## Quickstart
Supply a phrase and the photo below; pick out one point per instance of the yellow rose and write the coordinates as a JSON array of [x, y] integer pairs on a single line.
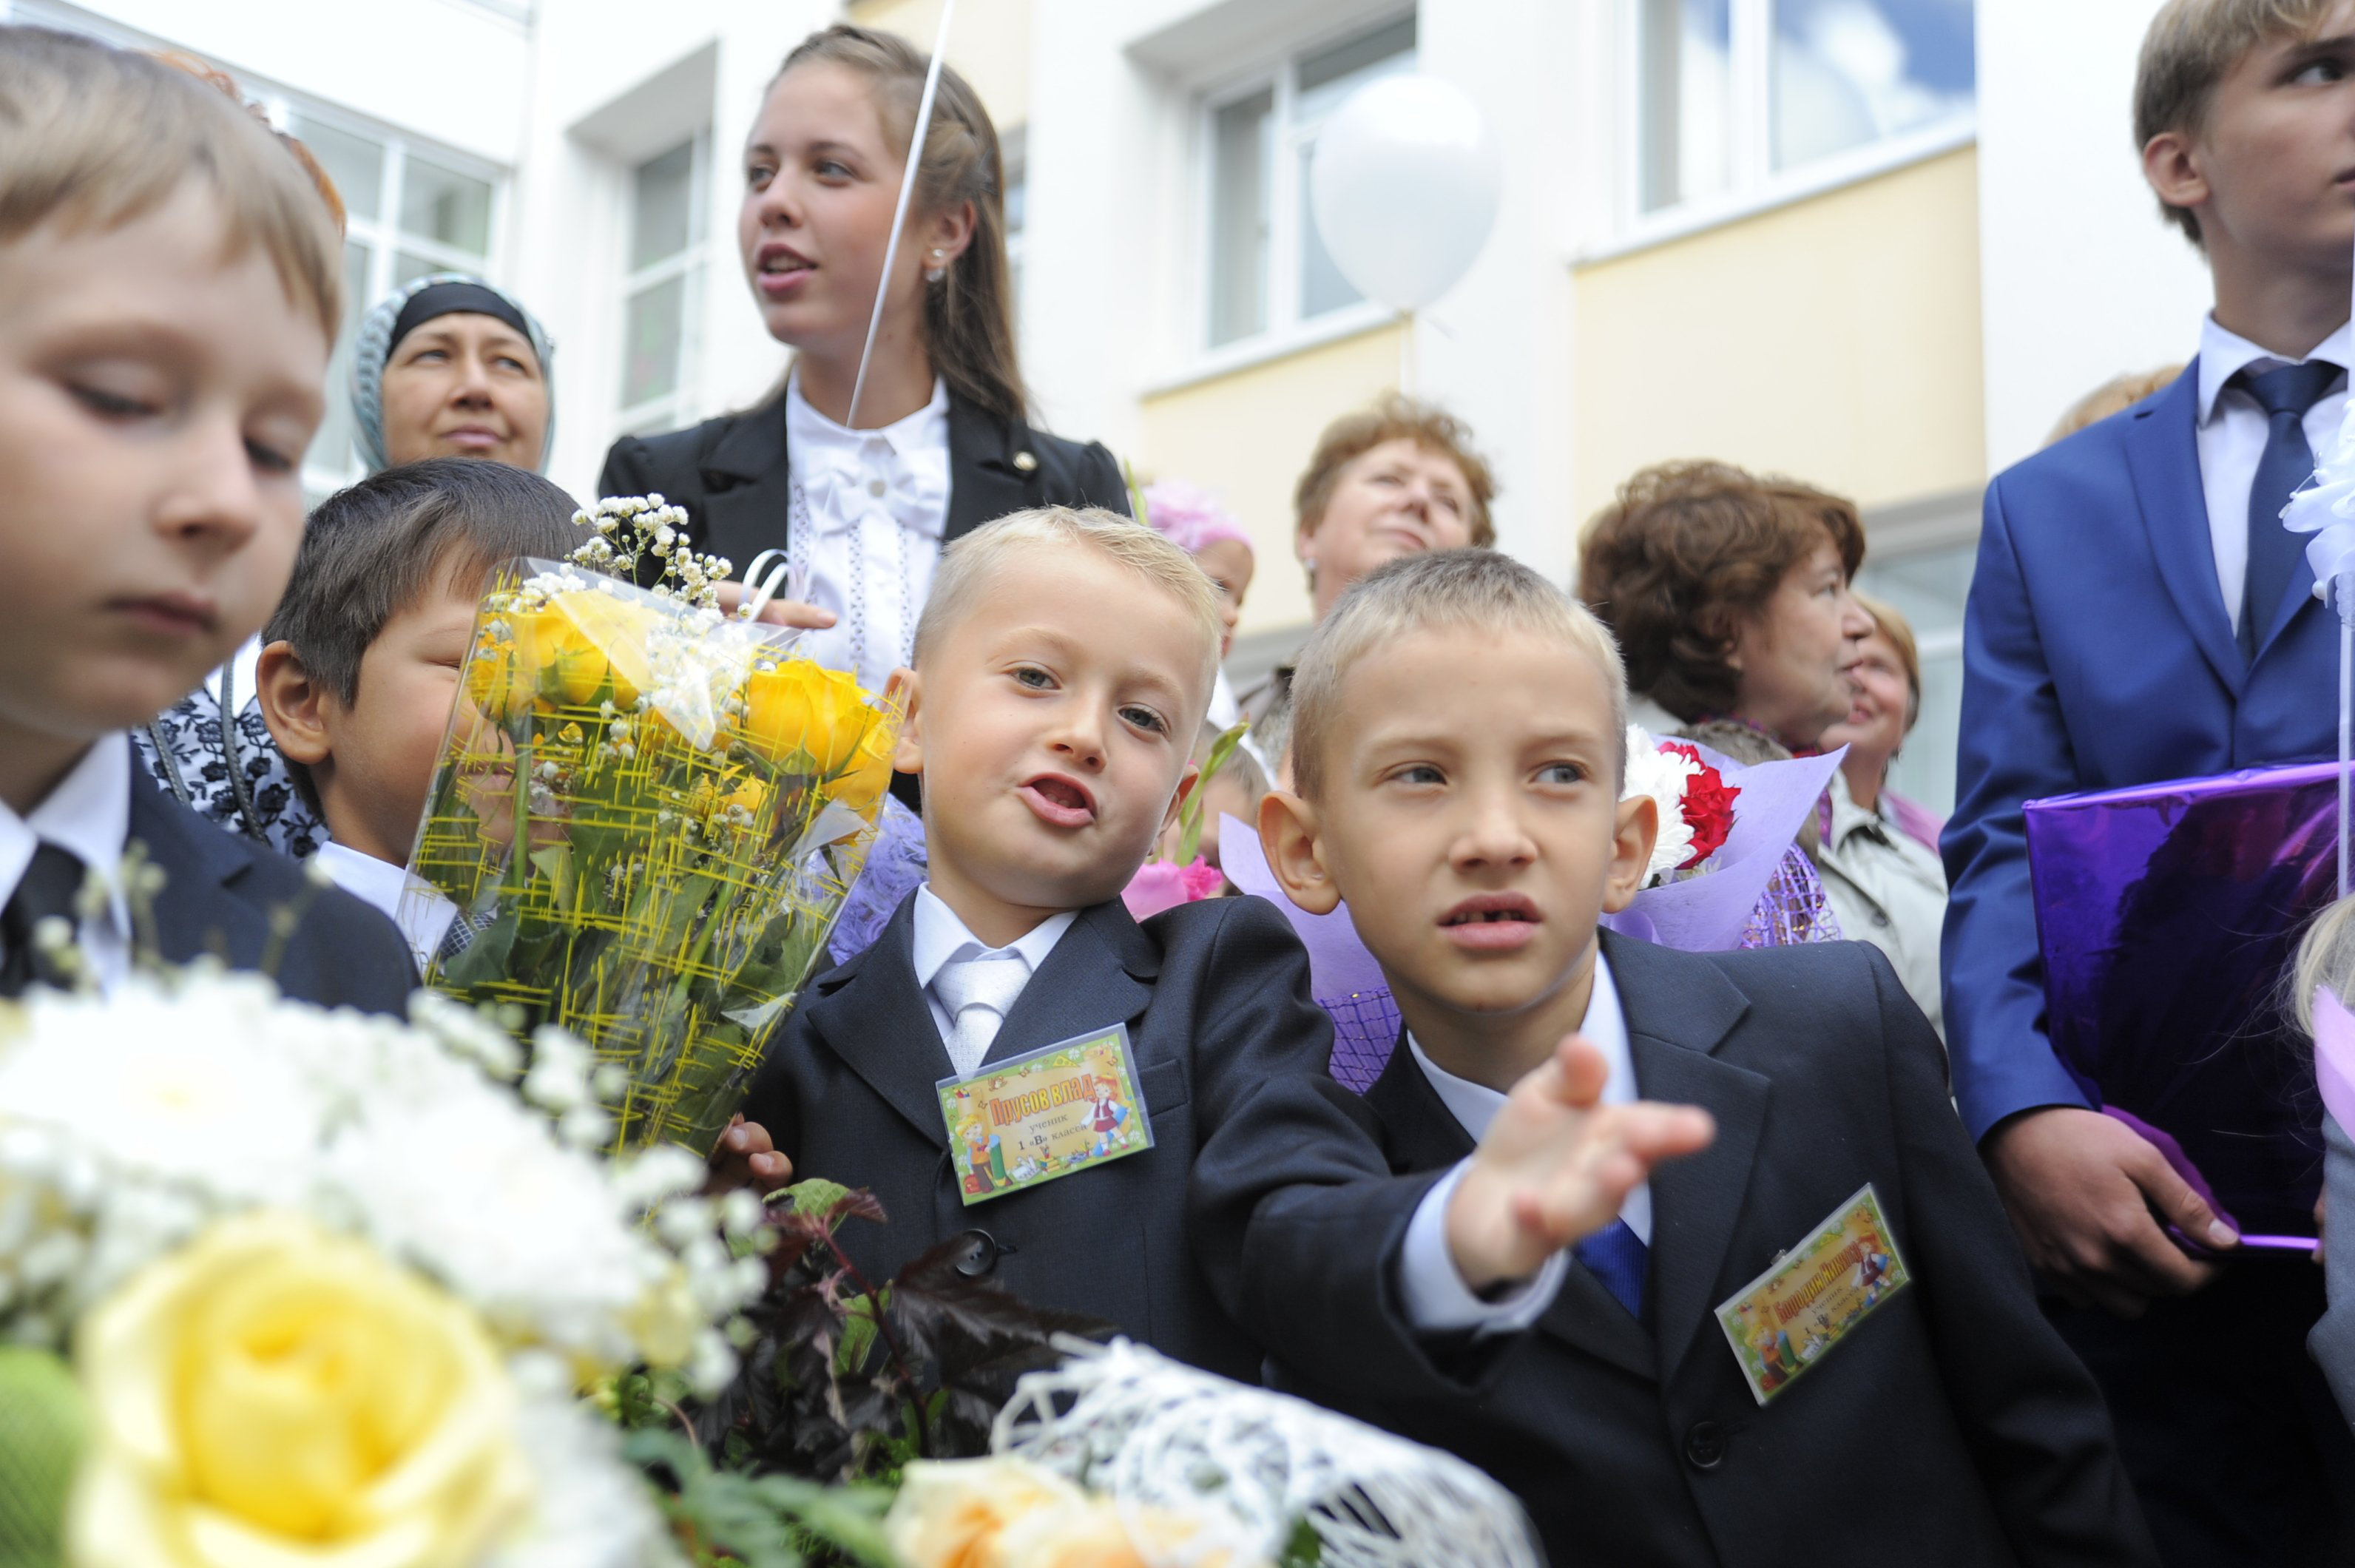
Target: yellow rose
[[271, 1394], [800, 707], [490, 678], [953, 1514], [862, 785], [556, 657]]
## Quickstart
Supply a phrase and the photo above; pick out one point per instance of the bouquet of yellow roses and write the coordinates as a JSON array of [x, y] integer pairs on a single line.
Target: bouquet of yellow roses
[[645, 818]]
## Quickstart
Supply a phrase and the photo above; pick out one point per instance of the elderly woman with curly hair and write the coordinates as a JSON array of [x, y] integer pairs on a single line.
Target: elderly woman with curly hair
[[1730, 597]]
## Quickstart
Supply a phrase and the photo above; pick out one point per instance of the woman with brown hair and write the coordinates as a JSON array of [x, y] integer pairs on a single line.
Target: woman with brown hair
[[1730, 596], [862, 499]]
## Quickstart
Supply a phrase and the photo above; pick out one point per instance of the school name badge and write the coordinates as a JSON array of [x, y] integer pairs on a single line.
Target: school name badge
[[1788, 1318], [1053, 1112]]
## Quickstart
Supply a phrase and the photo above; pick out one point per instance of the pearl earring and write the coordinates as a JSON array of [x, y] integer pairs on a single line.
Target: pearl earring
[[935, 272]]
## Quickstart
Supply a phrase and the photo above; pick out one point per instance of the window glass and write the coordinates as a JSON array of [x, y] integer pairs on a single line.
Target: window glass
[[442, 204], [1848, 72], [655, 325], [662, 209], [1241, 173], [1326, 78], [355, 162], [1683, 47]]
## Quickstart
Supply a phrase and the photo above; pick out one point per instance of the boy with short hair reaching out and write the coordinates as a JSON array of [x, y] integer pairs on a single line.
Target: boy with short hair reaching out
[[1063, 664], [1712, 1356]]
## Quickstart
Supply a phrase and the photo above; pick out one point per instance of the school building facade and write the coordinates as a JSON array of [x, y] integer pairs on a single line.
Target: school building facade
[[1876, 244]]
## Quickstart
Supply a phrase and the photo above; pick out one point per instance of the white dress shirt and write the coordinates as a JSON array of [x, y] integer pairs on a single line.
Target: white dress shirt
[[869, 510], [88, 813], [941, 939], [1434, 1292], [1888, 889], [419, 909], [2232, 440]]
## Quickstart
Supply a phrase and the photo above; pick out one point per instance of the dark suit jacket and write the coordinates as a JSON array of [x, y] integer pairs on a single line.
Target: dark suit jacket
[[220, 891], [1950, 1427], [730, 474], [2097, 653], [1215, 995]]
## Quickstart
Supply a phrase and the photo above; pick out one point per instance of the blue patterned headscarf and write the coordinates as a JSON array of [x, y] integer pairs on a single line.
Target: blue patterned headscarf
[[373, 347]]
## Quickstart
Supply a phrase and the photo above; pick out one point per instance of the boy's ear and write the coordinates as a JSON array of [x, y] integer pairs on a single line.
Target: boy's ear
[[2170, 165], [1287, 834], [905, 684], [293, 705], [1633, 836]]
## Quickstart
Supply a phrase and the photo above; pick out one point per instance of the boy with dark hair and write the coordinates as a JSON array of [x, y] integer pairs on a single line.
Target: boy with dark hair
[[359, 670], [153, 420], [2139, 613], [1821, 1309]]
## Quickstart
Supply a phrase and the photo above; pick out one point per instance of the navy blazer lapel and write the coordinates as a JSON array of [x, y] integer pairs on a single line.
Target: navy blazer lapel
[[1679, 1011], [2163, 461], [870, 1013], [1420, 1133], [747, 488], [988, 475], [197, 860], [1094, 978]]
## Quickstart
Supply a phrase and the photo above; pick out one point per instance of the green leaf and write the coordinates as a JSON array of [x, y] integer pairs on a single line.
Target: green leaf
[[485, 959], [1135, 493], [1190, 831], [554, 863], [817, 1197], [859, 1326], [43, 1430], [1304, 1549]]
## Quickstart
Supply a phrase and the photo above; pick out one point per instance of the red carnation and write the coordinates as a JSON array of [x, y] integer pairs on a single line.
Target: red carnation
[[1707, 805]]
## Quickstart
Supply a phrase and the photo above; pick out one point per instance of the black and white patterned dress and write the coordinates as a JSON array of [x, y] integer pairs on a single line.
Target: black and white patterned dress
[[244, 785]]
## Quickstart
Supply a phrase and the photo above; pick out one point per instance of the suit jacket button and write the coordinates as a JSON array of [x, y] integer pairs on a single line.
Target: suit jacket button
[[1024, 463], [1705, 1446], [981, 1250]]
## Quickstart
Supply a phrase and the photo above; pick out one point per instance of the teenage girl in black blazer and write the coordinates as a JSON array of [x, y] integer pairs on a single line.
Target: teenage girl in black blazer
[[822, 170]]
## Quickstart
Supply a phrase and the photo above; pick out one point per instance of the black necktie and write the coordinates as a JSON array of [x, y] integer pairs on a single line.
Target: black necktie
[[51, 885], [2275, 552]]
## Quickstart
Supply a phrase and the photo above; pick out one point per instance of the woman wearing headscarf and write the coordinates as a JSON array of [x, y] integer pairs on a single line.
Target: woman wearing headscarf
[[446, 366]]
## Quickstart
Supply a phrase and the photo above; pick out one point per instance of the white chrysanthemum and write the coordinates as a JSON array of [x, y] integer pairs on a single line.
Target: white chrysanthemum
[[128, 1124], [591, 1509], [1662, 775]]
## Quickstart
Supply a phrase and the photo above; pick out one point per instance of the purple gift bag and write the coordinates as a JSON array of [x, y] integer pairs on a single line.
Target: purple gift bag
[[2166, 914]]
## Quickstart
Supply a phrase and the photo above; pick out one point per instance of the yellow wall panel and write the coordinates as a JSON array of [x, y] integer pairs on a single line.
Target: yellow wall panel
[[1248, 435], [989, 46], [1835, 340]]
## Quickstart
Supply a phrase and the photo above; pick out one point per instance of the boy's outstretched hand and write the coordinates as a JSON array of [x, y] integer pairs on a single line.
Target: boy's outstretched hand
[[745, 1157], [1555, 1166]]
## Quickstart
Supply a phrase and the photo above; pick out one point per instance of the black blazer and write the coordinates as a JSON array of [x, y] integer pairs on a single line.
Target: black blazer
[[220, 890], [730, 474], [1215, 995], [1952, 1426]]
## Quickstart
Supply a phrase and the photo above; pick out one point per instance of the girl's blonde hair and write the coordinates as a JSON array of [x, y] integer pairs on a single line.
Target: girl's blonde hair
[[2326, 956], [969, 313], [93, 137]]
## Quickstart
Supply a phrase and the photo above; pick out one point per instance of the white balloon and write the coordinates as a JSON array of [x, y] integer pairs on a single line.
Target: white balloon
[[1404, 186]]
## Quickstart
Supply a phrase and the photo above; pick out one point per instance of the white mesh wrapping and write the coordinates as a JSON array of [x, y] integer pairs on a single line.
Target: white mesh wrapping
[[1151, 1433]]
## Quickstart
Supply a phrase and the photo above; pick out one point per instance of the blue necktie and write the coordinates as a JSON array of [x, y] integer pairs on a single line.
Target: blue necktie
[[2275, 552], [1616, 1256]]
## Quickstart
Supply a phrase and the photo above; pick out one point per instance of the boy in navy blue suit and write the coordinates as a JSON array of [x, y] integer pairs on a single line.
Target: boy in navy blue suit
[[2138, 615], [170, 282], [1458, 735], [1064, 664]]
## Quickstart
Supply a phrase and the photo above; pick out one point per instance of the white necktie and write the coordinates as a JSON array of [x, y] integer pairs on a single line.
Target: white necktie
[[978, 992]]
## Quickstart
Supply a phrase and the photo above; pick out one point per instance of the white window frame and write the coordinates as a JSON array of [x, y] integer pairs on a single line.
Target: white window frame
[[1286, 331], [382, 234], [679, 407], [1753, 185]]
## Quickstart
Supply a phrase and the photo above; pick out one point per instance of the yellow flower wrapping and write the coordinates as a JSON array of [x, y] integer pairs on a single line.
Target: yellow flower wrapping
[[661, 899]]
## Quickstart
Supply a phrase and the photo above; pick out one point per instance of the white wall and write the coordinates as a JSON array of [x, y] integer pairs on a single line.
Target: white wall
[[2080, 278]]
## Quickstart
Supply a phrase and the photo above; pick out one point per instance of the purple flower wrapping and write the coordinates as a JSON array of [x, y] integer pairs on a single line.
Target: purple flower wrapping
[[2166, 914]]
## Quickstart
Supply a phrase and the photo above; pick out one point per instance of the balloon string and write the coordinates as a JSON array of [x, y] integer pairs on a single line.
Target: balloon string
[[900, 211]]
